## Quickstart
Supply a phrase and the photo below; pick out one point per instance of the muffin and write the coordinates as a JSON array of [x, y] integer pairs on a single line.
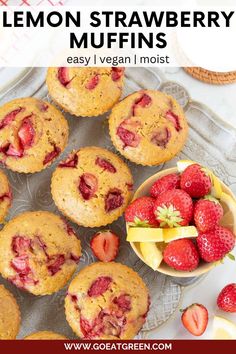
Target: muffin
[[92, 186], [5, 196], [32, 134], [148, 127], [40, 251], [85, 92], [45, 335], [107, 301], [9, 315]]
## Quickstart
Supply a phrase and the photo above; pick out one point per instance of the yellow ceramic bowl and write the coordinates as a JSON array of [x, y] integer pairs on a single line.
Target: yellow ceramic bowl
[[229, 220]]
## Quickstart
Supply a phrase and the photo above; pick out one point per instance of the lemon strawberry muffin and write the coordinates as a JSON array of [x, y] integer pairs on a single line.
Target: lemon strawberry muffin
[[32, 134], [148, 127], [92, 186], [9, 315], [107, 301], [5, 196], [45, 335], [40, 251], [85, 91]]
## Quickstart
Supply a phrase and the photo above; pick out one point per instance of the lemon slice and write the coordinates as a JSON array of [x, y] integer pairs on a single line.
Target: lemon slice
[[179, 232], [223, 329], [151, 254], [183, 164], [145, 234]]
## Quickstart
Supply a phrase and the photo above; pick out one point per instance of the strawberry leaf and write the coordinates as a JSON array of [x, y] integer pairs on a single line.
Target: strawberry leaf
[[231, 256]]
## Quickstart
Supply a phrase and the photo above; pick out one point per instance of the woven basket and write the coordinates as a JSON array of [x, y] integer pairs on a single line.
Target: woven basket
[[211, 77]]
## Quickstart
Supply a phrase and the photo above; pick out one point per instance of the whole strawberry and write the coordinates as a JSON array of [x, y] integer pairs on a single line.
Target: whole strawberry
[[226, 300], [181, 254], [173, 208], [140, 212], [195, 181], [207, 213], [195, 319], [164, 184], [214, 245]]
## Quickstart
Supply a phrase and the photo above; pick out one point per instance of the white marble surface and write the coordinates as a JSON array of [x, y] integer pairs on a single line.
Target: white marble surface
[[220, 98]]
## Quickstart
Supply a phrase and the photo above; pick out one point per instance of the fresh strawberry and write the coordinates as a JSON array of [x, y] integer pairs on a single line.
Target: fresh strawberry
[[105, 245], [174, 119], [93, 82], [26, 133], [214, 245], [140, 212], [99, 286], [226, 300], [165, 183], [63, 76], [195, 319], [173, 208], [161, 137], [207, 213], [195, 181], [182, 255], [113, 199]]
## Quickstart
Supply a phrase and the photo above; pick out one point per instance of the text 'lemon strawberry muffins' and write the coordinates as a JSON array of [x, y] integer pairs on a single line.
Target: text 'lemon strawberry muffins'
[[5, 196], [45, 335], [32, 134], [148, 127], [85, 92], [92, 186], [9, 315], [40, 250], [107, 301]]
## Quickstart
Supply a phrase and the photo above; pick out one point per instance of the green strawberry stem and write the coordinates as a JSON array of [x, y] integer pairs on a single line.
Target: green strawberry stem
[[168, 216]]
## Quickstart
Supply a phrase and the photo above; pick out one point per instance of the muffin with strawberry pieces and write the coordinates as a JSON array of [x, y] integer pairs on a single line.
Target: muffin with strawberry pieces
[[45, 335], [5, 196], [107, 301], [148, 127], [40, 250], [10, 316], [32, 134], [85, 92], [92, 186]]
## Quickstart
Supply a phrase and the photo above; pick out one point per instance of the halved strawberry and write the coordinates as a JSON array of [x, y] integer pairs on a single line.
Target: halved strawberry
[[161, 137], [99, 286], [88, 185], [93, 82], [26, 133], [173, 118], [105, 245], [195, 319], [63, 76], [10, 117], [140, 212]]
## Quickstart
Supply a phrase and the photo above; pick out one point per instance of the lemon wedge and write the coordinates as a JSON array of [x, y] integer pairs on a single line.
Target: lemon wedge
[[223, 329], [179, 232], [151, 254], [216, 190], [145, 234], [183, 164]]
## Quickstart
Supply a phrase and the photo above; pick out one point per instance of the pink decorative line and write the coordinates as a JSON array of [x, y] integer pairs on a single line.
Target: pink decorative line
[[3, 2]]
